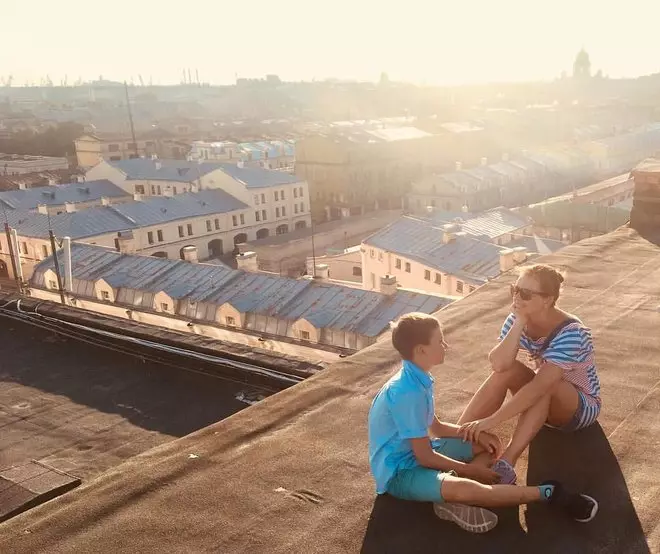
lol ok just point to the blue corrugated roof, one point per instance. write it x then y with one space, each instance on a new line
189 172
324 305
470 258
56 195
491 223
130 215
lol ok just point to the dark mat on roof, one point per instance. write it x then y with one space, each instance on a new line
291 473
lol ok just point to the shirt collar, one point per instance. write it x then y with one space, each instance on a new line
418 374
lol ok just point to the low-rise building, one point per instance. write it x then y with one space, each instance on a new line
273 154
450 258
56 199
17 164
604 193
215 300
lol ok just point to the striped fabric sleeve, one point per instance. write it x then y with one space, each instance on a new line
508 322
572 346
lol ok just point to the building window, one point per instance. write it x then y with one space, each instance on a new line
277 212
160 192
160 236
208 225
113 148
301 192
44 248
283 211
282 195
295 193
52 284
181 231
139 189
257 216
131 146
397 263
304 335
150 237
242 219
256 199
302 206
190 229
277 196
407 267
372 253
472 289
230 320
438 279
234 220
217 224
174 191
357 271
427 275
295 207
380 256
459 286
24 247
153 190
263 198
164 306
105 295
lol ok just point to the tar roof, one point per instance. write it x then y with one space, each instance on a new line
324 305
152 210
55 195
291 473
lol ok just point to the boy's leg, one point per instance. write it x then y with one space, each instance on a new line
466 491
490 396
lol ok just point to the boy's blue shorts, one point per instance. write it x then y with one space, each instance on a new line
423 484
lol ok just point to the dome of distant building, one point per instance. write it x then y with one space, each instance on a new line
582 65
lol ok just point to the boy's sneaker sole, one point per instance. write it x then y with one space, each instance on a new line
594 509
469 518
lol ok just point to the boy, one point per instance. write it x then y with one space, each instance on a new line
408 464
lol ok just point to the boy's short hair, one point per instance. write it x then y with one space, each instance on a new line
412 330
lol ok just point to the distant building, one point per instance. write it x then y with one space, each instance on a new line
274 154
449 254
215 300
92 148
18 164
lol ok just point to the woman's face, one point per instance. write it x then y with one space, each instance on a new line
528 297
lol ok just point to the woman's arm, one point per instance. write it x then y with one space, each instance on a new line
503 355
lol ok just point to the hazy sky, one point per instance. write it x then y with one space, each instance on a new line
432 41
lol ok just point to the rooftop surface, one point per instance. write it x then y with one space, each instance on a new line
57 195
82 409
199 290
153 210
291 473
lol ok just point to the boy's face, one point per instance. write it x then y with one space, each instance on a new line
433 353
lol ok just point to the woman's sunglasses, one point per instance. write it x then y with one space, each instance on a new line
525 294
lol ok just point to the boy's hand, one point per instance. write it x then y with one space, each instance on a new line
480 473
472 430
490 443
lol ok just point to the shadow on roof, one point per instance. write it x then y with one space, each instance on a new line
583 460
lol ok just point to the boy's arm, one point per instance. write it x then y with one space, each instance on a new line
442 430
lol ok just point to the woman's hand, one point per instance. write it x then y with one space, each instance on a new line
471 431
490 443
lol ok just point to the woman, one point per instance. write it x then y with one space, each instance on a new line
562 390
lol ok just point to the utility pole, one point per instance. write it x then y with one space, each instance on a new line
53 245
130 119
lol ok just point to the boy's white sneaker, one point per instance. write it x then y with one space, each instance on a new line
470 518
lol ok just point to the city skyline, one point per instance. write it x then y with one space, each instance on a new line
428 43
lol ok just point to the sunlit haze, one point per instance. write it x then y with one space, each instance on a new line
423 41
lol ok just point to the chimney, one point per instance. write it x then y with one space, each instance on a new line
22 185
168 191
158 165
137 197
70 207
645 215
190 254
449 231
519 254
247 261
322 272
388 285
240 164
506 260
42 209
68 269
126 242
484 161
105 201
505 157
459 166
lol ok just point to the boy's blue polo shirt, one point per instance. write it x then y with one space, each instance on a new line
402 410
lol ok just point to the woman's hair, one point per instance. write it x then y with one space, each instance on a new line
549 278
